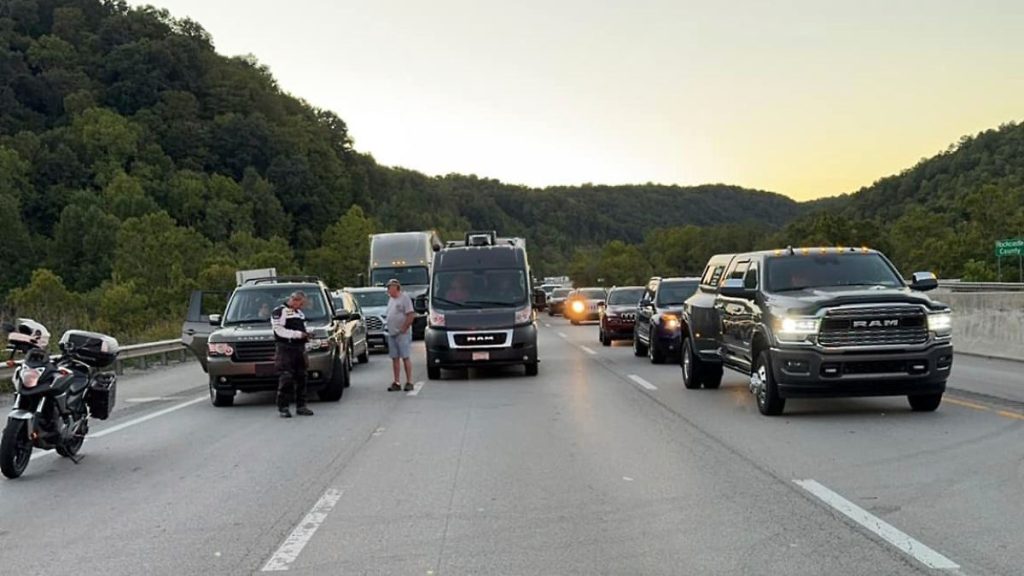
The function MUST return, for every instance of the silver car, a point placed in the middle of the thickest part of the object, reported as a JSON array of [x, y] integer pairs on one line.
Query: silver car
[[374, 302]]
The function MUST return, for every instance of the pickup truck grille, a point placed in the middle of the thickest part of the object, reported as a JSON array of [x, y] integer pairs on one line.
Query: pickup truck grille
[[254, 351], [878, 326], [374, 323]]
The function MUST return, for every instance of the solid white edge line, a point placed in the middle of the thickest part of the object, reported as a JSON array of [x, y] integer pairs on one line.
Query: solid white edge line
[[643, 383], [879, 527], [147, 417], [588, 350], [290, 549], [415, 389]]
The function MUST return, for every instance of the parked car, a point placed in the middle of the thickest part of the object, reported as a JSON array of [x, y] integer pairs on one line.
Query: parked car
[[374, 304], [618, 315], [818, 322], [657, 322], [584, 305], [556, 301], [354, 326], [235, 345]]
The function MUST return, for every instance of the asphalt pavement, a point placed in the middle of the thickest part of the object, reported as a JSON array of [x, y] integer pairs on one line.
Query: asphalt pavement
[[602, 464]]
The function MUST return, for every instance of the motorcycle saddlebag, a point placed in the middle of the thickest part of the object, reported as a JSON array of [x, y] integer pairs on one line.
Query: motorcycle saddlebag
[[101, 395]]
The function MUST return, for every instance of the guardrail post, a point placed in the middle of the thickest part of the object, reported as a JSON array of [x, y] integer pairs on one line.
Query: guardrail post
[[163, 358], [119, 368], [144, 361]]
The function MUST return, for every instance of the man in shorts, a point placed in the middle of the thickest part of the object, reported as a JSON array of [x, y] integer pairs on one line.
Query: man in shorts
[[400, 316]]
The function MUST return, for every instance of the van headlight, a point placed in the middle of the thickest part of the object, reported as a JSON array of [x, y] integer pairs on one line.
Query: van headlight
[[796, 328], [436, 319], [941, 323], [524, 315]]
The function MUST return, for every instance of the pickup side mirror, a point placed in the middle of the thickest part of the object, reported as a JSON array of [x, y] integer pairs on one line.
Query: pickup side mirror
[[540, 299], [924, 281], [355, 316], [214, 319], [420, 304], [734, 288]]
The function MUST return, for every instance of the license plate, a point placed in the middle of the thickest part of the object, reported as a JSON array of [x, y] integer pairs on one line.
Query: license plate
[[478, 356], [265, 369]]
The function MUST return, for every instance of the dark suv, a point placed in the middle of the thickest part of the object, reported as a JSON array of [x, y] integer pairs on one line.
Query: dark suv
[[657, 321], [821, 322], [618, 315], [235, 345]]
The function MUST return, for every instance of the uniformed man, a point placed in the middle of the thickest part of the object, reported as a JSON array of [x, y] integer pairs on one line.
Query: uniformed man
[[290, 334]]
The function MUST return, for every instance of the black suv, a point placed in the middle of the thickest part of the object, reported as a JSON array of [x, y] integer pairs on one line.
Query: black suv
[[657, 320], [817, 322]]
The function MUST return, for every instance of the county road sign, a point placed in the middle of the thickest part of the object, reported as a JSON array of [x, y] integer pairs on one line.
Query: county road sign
[[1011, 247]]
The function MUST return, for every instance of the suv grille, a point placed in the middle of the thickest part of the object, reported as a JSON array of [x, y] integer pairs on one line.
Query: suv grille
[[255, 351], [879, 326], [374, 323]]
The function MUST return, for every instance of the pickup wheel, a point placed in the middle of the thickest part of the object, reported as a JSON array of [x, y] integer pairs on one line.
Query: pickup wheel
[[220, 399], [712, 376], [638, 347], [925, 402], [762, 382], [693, 368]]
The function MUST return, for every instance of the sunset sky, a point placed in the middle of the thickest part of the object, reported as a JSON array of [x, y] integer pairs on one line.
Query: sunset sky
[[804, 98]]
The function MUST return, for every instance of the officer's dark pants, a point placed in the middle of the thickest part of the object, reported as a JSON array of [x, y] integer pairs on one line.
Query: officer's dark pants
[[291, 368]]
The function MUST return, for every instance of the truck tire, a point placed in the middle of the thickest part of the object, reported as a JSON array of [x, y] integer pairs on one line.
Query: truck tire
[[220, 399], [639, 349], [712, 376], [765, 390], [692, 367], [433, 373], [531, 369], [335, 388], [925, 402]]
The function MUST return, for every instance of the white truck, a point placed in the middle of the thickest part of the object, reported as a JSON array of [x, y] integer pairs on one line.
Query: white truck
[[407, 257]]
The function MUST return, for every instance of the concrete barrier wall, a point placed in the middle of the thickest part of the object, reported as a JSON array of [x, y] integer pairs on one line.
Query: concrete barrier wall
[[991, 324]]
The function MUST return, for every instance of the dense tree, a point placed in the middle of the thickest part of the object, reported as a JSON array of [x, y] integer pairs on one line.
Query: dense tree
[[344, 250]]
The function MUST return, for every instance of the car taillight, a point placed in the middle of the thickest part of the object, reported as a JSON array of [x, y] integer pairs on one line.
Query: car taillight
[[219, 349]]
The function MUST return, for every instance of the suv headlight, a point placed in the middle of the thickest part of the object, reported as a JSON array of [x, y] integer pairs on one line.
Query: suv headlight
[[318, 344], [524, 315], [796, 328], [670, 322], [219, 349], [941, 323]]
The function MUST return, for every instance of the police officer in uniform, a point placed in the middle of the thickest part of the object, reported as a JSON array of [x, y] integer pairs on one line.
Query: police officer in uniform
[[290, 334]]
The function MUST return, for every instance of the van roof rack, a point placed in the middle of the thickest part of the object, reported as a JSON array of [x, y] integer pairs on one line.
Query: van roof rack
[[282, 280]]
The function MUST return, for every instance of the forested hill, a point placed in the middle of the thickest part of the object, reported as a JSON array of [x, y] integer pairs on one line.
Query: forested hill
[[111, 115]]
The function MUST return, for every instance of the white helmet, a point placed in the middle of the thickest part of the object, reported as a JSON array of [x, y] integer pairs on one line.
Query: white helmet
[[30, 332]]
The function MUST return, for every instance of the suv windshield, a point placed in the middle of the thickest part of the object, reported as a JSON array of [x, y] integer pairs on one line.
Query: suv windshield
[[674, 293], [410, 276], [824, 270], [253, 305], [373, 299], [625, 296], [593, 293], [479, 289]]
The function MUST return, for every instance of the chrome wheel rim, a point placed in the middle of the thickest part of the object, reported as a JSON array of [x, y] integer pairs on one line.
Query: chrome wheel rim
[[687, 360], [759, 381]]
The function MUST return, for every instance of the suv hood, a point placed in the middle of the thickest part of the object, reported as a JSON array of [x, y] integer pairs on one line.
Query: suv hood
[[480, 319], [810, 300], [259, 332]]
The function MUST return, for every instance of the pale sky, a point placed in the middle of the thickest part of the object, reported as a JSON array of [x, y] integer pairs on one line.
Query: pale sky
[[807, 98]]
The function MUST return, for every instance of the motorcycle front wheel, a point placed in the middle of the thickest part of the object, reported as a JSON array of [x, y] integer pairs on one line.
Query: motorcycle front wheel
[[15, 449]]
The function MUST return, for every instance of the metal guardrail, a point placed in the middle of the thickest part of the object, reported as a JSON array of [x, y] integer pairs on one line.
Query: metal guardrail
[[957, 286], [142, 352]]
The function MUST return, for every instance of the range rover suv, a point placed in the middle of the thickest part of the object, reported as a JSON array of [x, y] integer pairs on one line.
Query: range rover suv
[[235, 345], [818, 322]]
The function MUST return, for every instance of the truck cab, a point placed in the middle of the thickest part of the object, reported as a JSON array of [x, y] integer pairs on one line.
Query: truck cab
[[407, 257]]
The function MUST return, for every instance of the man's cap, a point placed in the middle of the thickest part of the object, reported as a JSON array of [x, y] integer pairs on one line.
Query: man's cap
[[394, 282]]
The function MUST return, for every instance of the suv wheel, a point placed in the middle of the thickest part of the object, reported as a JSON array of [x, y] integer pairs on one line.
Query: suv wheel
[[925, 402], [365, 356], [335, 388], [654, 352], [762, 383], [220, 399], [638, 347]]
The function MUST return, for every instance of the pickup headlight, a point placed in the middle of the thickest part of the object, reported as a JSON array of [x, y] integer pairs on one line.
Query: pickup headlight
[[318, 344], [796, 328], [941, 323], [219, 349], [524, 315]]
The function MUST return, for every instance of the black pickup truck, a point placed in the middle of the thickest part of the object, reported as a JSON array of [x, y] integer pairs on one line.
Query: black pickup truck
[[817, 323]]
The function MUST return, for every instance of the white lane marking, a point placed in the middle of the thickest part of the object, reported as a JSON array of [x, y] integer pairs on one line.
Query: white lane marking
[[546, 325], [153, 399], [147, 417], [879, 527], [378, 432], [303, 533], [627, 478], [588, 350], [415, 389], [643, 383], [562, 335]]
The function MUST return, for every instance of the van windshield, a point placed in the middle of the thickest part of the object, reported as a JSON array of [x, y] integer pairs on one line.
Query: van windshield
[[502, 288], [253, 305], [408, 276]]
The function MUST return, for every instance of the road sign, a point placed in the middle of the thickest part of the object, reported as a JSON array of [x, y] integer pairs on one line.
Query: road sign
[[1010, 247]]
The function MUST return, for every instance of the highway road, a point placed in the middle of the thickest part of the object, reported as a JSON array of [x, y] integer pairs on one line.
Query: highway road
[[603, 464]]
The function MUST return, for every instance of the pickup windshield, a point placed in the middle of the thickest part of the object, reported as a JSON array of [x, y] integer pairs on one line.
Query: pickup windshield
[[625, 296], [799, 272], [408, 276], [675, 293], [461, 289], [253, 305]]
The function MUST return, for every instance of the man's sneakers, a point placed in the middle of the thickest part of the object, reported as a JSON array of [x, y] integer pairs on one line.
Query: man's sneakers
[[394, 387], [284, 413], [303, 411], [408, 386]]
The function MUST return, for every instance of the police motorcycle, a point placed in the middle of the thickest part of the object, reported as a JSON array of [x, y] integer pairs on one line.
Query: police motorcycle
[[54, 399]]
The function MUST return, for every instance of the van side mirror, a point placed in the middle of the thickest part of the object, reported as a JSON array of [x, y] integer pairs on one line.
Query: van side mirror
[[923, 282], [734, 288], [420, 304], [214, 319]]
